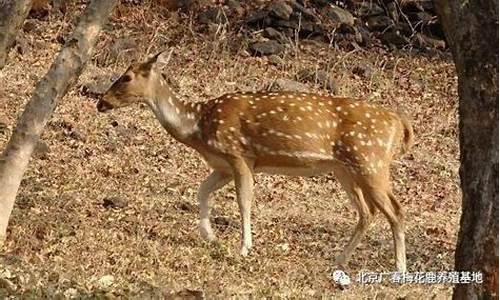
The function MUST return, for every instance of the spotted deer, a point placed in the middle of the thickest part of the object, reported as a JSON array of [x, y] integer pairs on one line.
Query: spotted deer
[[291, 133]]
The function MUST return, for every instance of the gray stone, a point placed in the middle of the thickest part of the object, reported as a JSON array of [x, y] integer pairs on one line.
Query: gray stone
[[292, 24], [275, 60], [378, 23], [114, 202], [304, 12], [273, 34], [235, 6], [326, 81], [281, 10], [284, 84], [394, 38], [364, 70], [266, 48], [257, 17], [367, 9], [366, 36], [393, 11], [215, 15], [320, 77], [340, 15], [77, 135], [423, 41]]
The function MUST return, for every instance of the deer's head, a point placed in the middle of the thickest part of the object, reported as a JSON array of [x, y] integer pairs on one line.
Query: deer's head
[[135, 85]]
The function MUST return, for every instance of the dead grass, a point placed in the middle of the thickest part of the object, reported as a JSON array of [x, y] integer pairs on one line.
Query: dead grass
[[63, 241]]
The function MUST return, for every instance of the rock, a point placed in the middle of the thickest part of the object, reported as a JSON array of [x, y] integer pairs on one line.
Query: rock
[[345, 28], [364, 70], [215, 15], [77, 135], [423, 41], [422, 18], [125, 132], [404, 28], [378, 23], [304, 12], [114, 202], [42, 150], [186, 206], [321, 2], [327, 81], [394, 38], [70, 293], [281, 10], [266, 48], [284, 84], [366, 36], [320, 77], [273, 34], [292, 24], [340, 15], [306, 28], [257, 17], [106, 281], [415, 6], [186, 295], [184, 5], [235, 6], [367, 9], [8, 286], [393, 11], [274, 60]]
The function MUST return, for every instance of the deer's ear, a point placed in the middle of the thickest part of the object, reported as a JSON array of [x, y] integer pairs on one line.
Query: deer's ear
[[160, 59]]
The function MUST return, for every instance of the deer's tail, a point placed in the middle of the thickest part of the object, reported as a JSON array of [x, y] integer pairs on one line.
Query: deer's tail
[[407, 132]]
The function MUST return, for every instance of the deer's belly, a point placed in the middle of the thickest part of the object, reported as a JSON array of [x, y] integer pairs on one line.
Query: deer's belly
[[277, 165], [294, 171], [294, 167]]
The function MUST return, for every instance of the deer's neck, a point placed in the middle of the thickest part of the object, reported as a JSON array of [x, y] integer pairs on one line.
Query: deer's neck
[[179, 118]]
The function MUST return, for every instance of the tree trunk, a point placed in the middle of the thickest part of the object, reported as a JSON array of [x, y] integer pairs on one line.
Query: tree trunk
[[12, 16], [471, 28], [52, 87]]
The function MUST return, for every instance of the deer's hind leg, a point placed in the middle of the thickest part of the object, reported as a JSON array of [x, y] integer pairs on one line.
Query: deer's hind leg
[[378, 193], [366, 212]]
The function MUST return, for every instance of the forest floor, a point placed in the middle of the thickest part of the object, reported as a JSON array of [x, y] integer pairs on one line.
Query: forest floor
[[108, 205]]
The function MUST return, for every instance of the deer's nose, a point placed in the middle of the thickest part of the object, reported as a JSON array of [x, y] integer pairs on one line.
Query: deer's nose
[[103, 106]]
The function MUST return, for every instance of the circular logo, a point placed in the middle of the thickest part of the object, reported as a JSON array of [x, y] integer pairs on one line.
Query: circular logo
[[341, 277]]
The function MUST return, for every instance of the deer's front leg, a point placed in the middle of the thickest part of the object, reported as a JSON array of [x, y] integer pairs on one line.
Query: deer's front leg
[[243, 179], [213, 182]]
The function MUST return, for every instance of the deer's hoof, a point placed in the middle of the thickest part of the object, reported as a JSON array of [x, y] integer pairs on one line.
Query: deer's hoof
[[245, 251], [207, 233]]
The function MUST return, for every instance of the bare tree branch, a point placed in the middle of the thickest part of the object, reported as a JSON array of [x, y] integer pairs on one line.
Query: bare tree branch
[[50, 89], [12, 16]]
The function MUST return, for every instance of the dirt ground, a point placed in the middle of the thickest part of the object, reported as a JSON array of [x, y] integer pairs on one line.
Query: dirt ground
[[107, 208]]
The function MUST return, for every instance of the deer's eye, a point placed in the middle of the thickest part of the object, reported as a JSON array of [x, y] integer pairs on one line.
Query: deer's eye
[[126, 78]]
